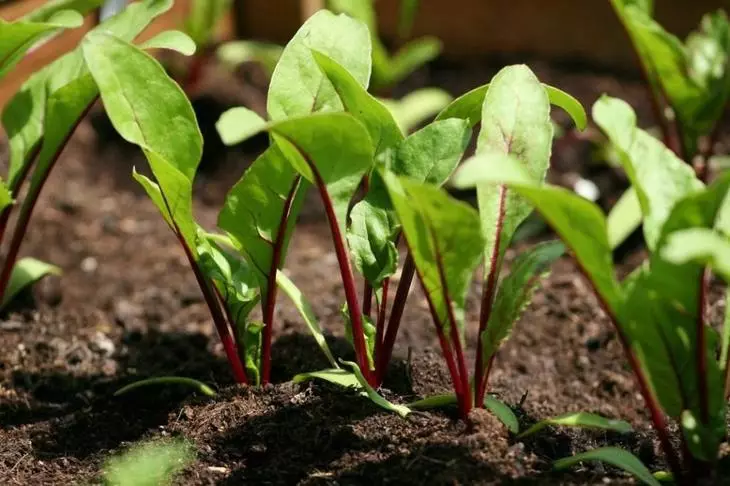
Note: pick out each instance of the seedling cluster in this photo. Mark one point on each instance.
(382, 190)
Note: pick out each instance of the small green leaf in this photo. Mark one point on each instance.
(445, 239)
(581, 420)
(699, 245)
(624, 218)
(151, 463)
(417, 106)
(659, 177)
(503, 413)
(374, 396)
(249, 333)
(410, 57)
(238, 125)
(336, 376)
(307, 312)
(434, 401)
(6, 198)
(52, 7)
(26, 272)
(614, 456)
(173, 40)
(167, 380)
(515, 293)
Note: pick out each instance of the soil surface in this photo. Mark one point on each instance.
(127, 307)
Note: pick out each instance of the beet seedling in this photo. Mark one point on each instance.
(659, 310)
(689, 86)
(41, 117)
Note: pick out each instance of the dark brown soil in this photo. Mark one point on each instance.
(127, 307)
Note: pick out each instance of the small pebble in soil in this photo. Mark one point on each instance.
(11, 325)
(127, 314)
(48, 290)
(102, 345)
(89, 265)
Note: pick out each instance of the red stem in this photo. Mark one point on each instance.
(348, 279)
(701, 356)
(396, 313)
(219, 320)
(466, 402)
(277, 258)
(367, 300)
(379, 332)
(657, 416)
(482, 375)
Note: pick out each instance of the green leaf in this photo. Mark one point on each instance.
(445, 239)
(151, 463)
(408, 11)
(614, 456)
(336, 376)
(381, 126)
(6, 198)
(581, 420)
(417, 106)
(67, 83)
(701, 246)
(307, 312)
(374, 396)
(658, 176)
(249, 334)
(580, 224)
(434, 401)
(515, 122)
(173, 40)
(142, 101)
(203, 18)
(503, 413)
(624, 218)
(238, 125)
(26, 272)
(298, 86)
(515, 293)
(235, 53)
(469, 106)
(16, 38)
(167, 380)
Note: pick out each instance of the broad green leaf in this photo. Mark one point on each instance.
(173, 40)
(580, 224)
(26, 272)
(298, 86)
(167, 380)
(658, 176)
(235, 53)
(24, 116)
(149, 109)
(624, 218)
(417, 106)
(374, 396)
(515, 293)
(307, 312)
(381, 126)
(445, 239)
(583, 420)
(16, 38)
(516, 123)
(614, 456)
(337, 161)
(256, 206)
(469, 106)
(203, 18)
(52, 7)
(503, 413)
(151, 463)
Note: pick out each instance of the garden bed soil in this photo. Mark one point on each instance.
(127, 307)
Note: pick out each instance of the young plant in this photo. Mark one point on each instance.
(659, 310)
(148, 463)
(41, 117)
(689, 86)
